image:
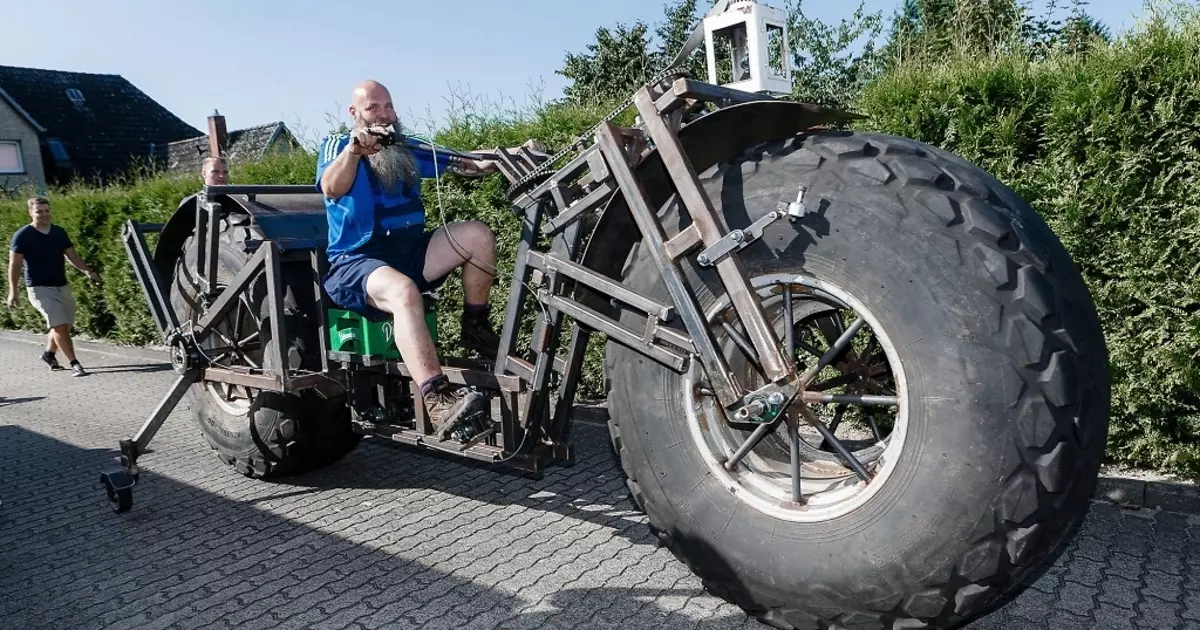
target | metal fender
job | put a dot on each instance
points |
(707, 141)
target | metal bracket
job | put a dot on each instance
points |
(765, 405)
(736, 240)
(794, 209)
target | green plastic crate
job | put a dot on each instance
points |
(355, 334)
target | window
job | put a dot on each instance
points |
(76, 97)
(10, 157)
(58, 151)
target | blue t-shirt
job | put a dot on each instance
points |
(352, 218)
(44, 262)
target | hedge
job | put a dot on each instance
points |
(1105, 145)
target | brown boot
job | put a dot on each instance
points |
(457, 411)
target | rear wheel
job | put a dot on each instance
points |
(954, 356)
(260, 433)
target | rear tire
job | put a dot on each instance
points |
(261, 434)
(1000, 364)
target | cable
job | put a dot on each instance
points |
(458, 247)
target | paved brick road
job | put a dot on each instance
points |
(398, 540)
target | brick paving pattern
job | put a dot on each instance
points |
(394, 539)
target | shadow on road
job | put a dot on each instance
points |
(188, 558)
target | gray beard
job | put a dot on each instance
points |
(394, 166)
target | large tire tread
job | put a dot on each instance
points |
(1038, 293)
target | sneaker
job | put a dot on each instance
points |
(478, 337)
(454, 409)
(77, 369)
(52, 361)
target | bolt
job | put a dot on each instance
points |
(737, 236)
(702, 259)
(776, 398)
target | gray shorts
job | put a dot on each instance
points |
(56, 304)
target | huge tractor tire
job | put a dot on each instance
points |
(979, 349)
(262, 434)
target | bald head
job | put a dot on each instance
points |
(371, 104)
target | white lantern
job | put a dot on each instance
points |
(757, 37)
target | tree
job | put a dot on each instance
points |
(826, 68)
(615, 62)
(622, 59)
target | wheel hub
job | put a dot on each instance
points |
(835, 444)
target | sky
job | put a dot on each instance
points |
(262, 61)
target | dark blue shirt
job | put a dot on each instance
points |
(44, 262)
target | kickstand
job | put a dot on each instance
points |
(118, 483)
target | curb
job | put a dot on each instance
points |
(1123, 492)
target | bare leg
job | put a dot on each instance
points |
(391, 291)
(51, 345)
(61, 335)
(473, 248)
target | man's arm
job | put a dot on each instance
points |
(337, 173)
(14, 276)
(77, 261)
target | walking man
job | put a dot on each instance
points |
(41, 247)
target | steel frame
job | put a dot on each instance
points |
(533, 428)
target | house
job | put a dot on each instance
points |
(186, 156)
(56, 126)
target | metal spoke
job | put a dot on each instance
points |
(751, 442)
(789, 325)
(836, 381)
(237, 319)
(839, 346)
(743, 344)
(794, 434)
(853, 399)
(837, 421)
(252, 337)
(837, 445)
(875, 428)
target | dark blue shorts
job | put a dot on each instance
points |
(402, 250)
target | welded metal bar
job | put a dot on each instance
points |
(681, 243)
(229, 296)
(684, 88)
(615, 290)
(275, 304)
(853, 399)
(575, 211)
(617, 332)
(836, 349)
(750, 443)
(267, 382)
(566, 173)
(147, 276)
(212, 233)
(319, 299)
(576, 353)
(164, 409)
(202, 244)
(231, 189)
(727, 392)
(516, 293)
(712, 228)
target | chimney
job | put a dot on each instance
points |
(218, 135)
